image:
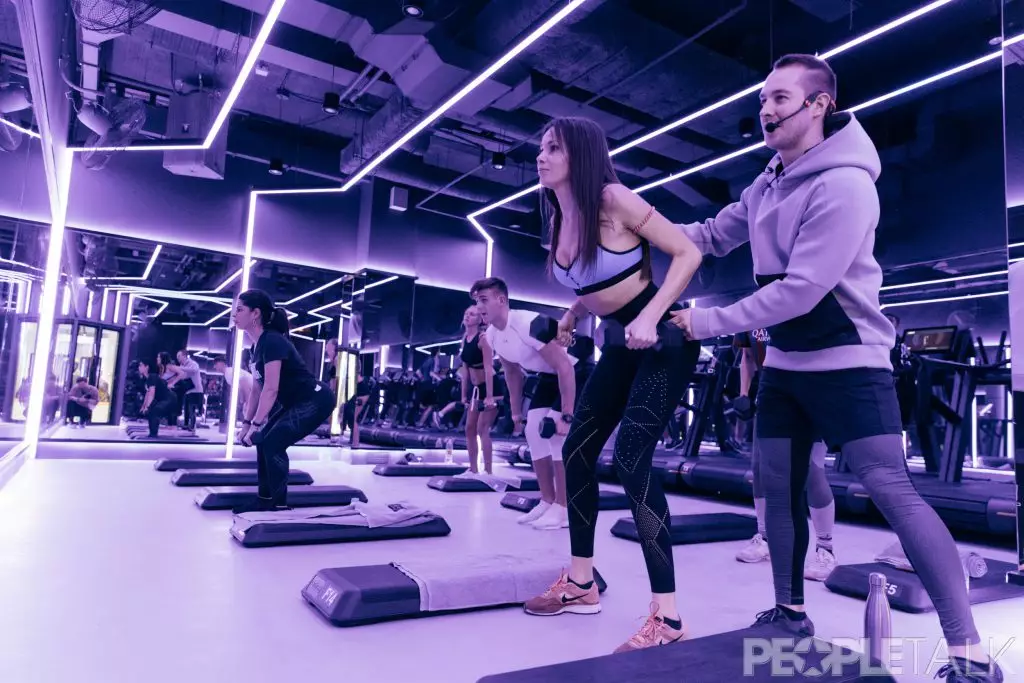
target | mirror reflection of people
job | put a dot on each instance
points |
(287, 402)
(192, 380)
(159, 402)
(170, 373)
(82, 400)
(220, 364)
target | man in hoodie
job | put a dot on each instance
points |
(810, 219)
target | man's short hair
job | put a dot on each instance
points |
(819, 77)
(495, 283)
(80, 379)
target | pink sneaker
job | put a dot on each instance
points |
(654, 632)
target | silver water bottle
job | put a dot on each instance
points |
(877, 619)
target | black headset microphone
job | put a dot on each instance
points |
(773, 126)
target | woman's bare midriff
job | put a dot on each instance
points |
(611, 299)
(476, 377)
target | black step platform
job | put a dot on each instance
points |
(607, 500)
(720, 658)
(304, 533)
(227, 497)
(466, 485)
(232, 478)
(708, 528)
(907, 594)
(419, 470)
(353, 596)
(175, 464)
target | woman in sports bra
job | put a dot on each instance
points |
(602, 235)
(477, 385)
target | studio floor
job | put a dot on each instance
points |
(109, 573)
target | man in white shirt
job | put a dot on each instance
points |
(525, 341)
(244, 386)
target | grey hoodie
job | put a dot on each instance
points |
(811, 229)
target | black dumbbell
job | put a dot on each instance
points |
(547, 428)
(744, 408)
(256, 439)
(668, 335)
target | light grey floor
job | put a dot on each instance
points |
(108, 573)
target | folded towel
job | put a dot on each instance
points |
(498, 482)
(973, 564)
(480, 581)
(356, 514)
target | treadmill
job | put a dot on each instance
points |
(946, 386)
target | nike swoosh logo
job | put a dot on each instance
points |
(566, 599)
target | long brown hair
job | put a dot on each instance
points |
(590, 169)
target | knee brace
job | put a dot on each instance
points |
(539, 448)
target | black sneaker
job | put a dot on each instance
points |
(962, 671)
(259, 505)
(803, 628)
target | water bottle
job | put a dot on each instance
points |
(877, 620)
(449, 448)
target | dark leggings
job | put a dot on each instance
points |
(856, 409)
(641, 389)
(285, 428)
(158, 410)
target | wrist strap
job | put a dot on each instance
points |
(247, 422)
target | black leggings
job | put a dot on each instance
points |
(285, 428)
(642, 389)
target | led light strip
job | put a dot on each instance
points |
(143, 277)
(423, 349)
(849, 45)
(944, 280)
(468, 88)
(962, 297)
(243, 75)
(48, 297)
(26, 131)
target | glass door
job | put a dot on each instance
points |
(106, 370)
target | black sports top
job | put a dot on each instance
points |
(471, 354)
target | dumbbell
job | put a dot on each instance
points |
(743, 408)
(547, 428)
(668, 335)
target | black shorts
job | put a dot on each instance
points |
(547, 393)
(479, 392)
(839, 405)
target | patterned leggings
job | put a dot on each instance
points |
(641, 389)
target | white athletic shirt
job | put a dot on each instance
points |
(515, 345)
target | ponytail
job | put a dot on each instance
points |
(273, 317)
(278, 321)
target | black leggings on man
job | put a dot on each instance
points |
(856, 410)
(285, 428)
(638, 390)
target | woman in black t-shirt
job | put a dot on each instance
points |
(287, 402)
(159, 402)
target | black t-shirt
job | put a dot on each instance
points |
(161, 392)
(296, 382)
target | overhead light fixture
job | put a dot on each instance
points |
(332, 103)
(412, 9)
(276, 167)
(747, 127)
(526, 42)
(498, 160)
